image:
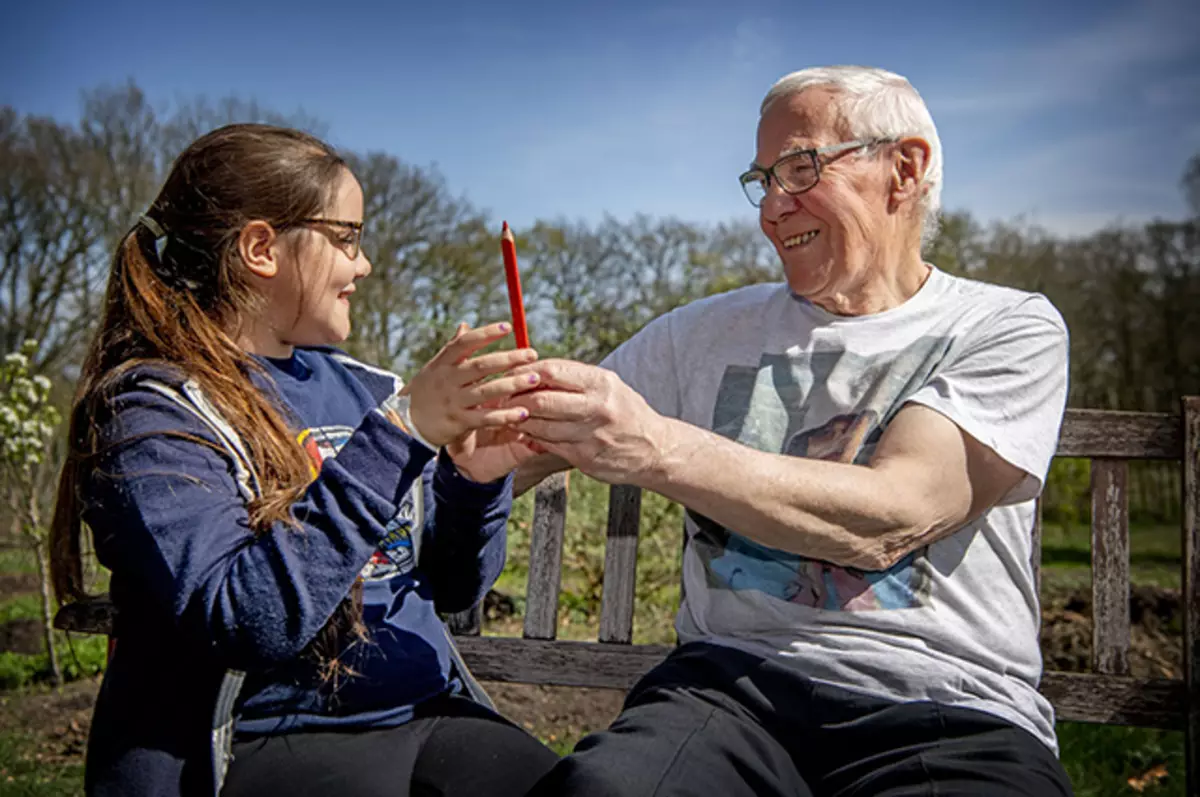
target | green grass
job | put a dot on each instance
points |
(21, 607)
(17, 560)
(1155, 553)
(23, 775)
(78, 655)
(1100, 759)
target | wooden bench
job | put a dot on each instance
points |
(1108, 695)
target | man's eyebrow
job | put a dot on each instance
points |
(787, 152)
(793, 151)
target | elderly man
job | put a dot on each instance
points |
(859, 450)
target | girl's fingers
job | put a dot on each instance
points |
(486, 365)
(485, 393)
(463, 345)
(447, 353)
(507, 416)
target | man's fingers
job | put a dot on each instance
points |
(553, 405)
(549, 432)
(564, 374)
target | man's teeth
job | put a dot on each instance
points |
(797, 240)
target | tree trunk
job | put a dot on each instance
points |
(36, 542)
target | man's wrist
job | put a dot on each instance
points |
(669, 443)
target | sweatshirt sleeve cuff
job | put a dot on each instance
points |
(397, 409)
(472, 494)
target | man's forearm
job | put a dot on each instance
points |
(850, 515)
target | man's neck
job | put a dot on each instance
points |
(882, 290)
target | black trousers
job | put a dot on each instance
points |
(454, 747)
(714, 721)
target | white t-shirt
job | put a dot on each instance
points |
(956, 621)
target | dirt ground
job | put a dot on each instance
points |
(1156, 633)
(60, 718)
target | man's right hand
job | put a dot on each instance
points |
(590, 418)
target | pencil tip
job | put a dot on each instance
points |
(505, 227)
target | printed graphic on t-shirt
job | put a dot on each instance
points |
(823, 404)
(394, 556)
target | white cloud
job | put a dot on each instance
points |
(1174, 91)
(1079, 67)
(1077, 183)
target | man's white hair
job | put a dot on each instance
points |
(876, 104)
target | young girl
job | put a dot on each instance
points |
(281, 522)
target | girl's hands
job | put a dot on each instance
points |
(454, 404)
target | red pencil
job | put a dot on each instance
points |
(508, 245)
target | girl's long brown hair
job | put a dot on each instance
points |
(178, 301)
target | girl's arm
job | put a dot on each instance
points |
(465, 533)
(167, 516)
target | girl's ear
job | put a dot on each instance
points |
(256, 245)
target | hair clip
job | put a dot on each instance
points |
(160, 235)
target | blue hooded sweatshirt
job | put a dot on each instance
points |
(212, 619)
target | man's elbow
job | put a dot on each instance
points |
(888, 549)
(879, 559)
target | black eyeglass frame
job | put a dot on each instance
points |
(763, 176)
(356, 226)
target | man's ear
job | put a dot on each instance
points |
(256, 245)
(909, 162)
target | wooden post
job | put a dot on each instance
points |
(1110, 566)
(1035, 554)
(620, 564)
(545, 558)
(1191, 588)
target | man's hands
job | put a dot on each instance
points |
(590, 418)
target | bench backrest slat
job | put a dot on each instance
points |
(620, 564)
(1110, 566)
(1191, 585)
(545, 558)
(1120, 435)
(1035, 554)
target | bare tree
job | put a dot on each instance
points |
(434, 260)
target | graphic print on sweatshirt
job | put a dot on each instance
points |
(394, 556)
(832, 405)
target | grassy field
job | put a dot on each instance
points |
(1101, 761)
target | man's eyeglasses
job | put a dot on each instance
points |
(797, 172)
(349, 241)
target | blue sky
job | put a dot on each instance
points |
(1072, 115)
